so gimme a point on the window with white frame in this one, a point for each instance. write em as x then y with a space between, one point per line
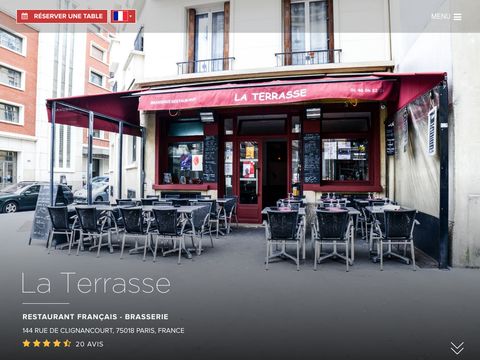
11 41
97 52
10 77
96 78
10 113
64 147
309 30
209 39
132 154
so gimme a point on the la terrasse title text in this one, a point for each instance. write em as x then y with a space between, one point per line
71 282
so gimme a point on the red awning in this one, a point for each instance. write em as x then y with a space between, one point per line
396 88
413 85
269 93
120 105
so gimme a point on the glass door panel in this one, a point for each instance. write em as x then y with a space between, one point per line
9 173
228 161
249 173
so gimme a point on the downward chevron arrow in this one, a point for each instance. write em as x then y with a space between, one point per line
457 349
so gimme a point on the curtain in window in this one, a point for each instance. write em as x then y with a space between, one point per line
298 27
318 26
201 42
217 40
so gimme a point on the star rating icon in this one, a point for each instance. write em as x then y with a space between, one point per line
46 343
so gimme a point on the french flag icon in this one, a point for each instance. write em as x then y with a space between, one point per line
122 16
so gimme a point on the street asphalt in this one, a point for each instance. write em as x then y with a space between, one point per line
231 308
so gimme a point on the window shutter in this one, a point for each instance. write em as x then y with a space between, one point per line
226 35
191 40
287 31
330 29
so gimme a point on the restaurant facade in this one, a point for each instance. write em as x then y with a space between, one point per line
261 138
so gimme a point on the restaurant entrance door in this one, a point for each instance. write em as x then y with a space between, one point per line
250 181
263 176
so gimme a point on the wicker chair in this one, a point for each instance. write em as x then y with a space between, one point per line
399 226
60 224
199 222
227 214
94 226
134 226
331 228
214 215
148 201
283 228
167 222
162 203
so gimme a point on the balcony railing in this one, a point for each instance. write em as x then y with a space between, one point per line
205 66
308 57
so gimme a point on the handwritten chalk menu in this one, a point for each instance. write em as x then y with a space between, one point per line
210 159
390 138
41 219
311 158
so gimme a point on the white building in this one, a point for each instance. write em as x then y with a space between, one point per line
373 36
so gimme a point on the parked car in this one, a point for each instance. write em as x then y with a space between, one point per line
100 192
102 179
23 196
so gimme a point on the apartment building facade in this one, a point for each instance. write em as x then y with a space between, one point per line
60 61
18 89
187 43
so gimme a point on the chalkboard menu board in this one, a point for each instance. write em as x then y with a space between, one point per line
41 220
210 159
390 138
311 158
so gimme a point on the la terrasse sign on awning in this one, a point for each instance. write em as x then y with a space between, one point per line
232 95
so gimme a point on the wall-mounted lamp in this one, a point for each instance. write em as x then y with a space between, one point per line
207 117
313 113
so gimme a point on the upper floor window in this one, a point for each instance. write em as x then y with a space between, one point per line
10 113
309 33
97 52
309 26
209 41
11 41
97 78
10 77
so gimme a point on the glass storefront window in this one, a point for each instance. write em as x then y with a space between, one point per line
228 168
296 125
345 160
185 162
295 167
249 181
185 128
228 126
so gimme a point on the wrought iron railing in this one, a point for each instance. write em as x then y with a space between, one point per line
308 57
205 66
